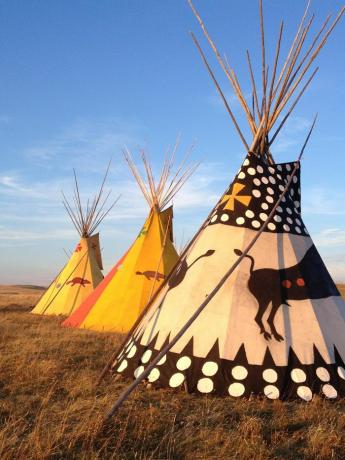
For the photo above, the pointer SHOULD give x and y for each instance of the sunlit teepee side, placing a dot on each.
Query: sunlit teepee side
(121, 296)
(82, 273)
(250, 308)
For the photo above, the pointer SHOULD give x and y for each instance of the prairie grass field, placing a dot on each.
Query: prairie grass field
(51, 409)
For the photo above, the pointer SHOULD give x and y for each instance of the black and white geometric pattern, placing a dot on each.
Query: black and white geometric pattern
(213, 375)
(254, 192)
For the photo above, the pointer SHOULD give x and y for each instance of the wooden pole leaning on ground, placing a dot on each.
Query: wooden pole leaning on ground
(124, 395)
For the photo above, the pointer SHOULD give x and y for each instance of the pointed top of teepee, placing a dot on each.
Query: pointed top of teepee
(87, 219)
(282, 84)
(158, 193)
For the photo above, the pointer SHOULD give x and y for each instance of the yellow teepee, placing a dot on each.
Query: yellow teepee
(82, 273)
(120, 298)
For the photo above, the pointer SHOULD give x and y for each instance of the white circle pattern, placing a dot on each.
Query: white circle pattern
(183, 363)
(176, 380)
(298, 375)
(209, 368)
(236, 389)
(271, 392)
(239, 372)
(323, 374)
(205, 385)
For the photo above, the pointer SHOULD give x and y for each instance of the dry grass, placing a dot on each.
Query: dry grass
(49, 408)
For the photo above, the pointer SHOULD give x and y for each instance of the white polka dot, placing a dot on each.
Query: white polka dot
(279, 209)
(298, 230)
(122, 366)
(298, 222)
(286, 227)
(224, 217)
(304, 393)
(257, 182)
(269, 199)
(183, 363)
(297, 204)
(270, 190)
(241, 175)
(295, 179)
(298, 376)
(246, 162)
(153, 375)
(289, 220)
(271, 226)
(139, 370)
(281, 188)
(288, 167)
(214, 218)
(323, 374)
(236, 389)
(264, 206)
(270, 375)
(279, 167)
(240, 220)
(239, 372)
(264, 180)
(283, 199)
(329, 391)
(251, 171)
(279, 176)
(271, 392)
(205, 385)
(292, 192)
(176, 380)
(249, 213)
(271, 170)
(256, 193)
(288, 210)
(341, 372)
(260, 169)
(146, 356)
(132, 352)
(209, 368)
(256, 223)
(263, 216)
(277, 218)
(272, 180)
(162, 360)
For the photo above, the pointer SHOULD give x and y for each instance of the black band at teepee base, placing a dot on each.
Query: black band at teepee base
(244, 253)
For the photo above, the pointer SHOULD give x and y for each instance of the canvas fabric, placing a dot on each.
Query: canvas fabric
(118, 301)
(277, 325)
(75, 282)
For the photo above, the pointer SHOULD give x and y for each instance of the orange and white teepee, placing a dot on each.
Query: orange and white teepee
(82, 273)
(120, 298)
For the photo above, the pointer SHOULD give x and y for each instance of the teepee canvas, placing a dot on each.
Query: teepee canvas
(276, 326)
(121, 296)
(82, 273)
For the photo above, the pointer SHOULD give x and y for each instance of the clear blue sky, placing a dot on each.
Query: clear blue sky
(80, 79)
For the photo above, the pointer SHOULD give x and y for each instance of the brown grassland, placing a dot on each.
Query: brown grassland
(50, 408)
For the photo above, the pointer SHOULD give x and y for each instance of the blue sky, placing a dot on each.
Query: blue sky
(81, 79)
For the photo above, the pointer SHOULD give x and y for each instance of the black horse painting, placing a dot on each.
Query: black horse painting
(309, 279)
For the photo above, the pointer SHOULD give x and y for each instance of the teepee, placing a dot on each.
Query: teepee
(82, 273)
(251, 307)
(120, 298)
